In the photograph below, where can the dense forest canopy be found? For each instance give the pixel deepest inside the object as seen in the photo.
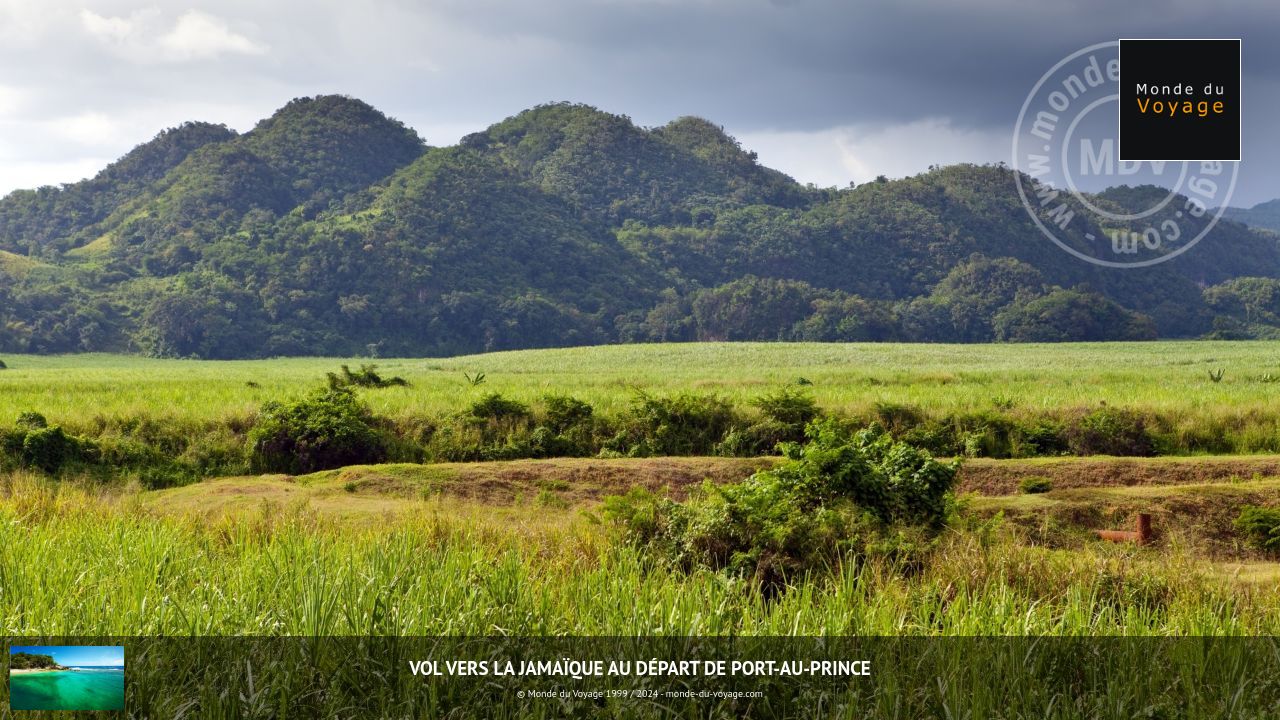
(32, 661)
(1263, 215)
(332, 229)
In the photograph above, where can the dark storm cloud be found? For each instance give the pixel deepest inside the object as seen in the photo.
(811, 65)
(90, 79)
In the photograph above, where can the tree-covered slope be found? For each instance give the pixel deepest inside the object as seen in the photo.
(331, 229)
(31, 220)
(308, 156)
(455, 252)
(609, 168)
(1263, 215)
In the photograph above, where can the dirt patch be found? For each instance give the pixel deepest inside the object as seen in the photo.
(1198, 519)
(572, 481)
(590, 480)
(269, 486)
(1001, 477)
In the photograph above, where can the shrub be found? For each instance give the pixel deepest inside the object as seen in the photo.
(760, 438)
(984, 434)
(32, 420)
(549, 499)
(3, 366)
(49, 448)
(1035, 484)
(1260, 527)
(495, 407)
(684, 424)
(366, 377)
(492, 428)
(565, 413)
(1003, 402)
(840, 492)
(166, 475)
(936, 436)
(328, 429)
(898, 417)
(785, 415)
(11, 446)
(1043, 436)
(543, 442)
(34, 443)
(788, 406)
(1109, 431)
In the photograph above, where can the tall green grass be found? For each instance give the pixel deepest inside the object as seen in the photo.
(1165, 376)
(199, 410)
(78, 563)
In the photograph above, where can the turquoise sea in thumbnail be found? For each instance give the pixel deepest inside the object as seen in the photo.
(85, 688)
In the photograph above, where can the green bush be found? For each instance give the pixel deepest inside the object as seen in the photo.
(327, 429)
(366, 377)
(1043, 436)
(985, 434)
(50, 448)
(11, 446)
(1260, 527)
(840, 492)
(549, 499)
(1035, 484)
(541, 442)
(34, 443)
(684, 424)
(166, 475)
(1109, 431)
(761, 438)
(495, 428)
(785, 415)
(898, 417)
(495, 407)
(936, 436)
(789, 407)
(565, 413)
(32, 420)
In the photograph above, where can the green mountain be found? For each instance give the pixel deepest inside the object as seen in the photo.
(31, 220)
(331, 229)
(1263, 215)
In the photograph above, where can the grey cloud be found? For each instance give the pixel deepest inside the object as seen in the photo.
(755, 66)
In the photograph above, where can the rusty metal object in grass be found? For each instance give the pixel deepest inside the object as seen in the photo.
(1141, 535)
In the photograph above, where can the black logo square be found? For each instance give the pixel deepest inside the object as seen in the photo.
(1179, 100)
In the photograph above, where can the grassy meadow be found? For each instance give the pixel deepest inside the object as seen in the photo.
(1169, 377)
(1029, 629)
(82, 562)
(519, 547)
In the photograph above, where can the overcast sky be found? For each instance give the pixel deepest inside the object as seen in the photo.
(828, 91)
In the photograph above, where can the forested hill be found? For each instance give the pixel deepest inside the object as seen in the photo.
(331, 229)
(1263, 215)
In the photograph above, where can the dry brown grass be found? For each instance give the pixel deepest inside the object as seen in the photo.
(1193, 519)
(1001, 477)
(370, 491)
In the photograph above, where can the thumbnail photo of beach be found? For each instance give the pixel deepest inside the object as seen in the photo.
(66, 677)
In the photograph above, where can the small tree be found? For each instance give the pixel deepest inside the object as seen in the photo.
(367, 377)
(837, 493)
(1261, 527)
(328, 429)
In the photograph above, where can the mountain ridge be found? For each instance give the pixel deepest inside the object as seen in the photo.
(330, 228)
(1264, 215)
